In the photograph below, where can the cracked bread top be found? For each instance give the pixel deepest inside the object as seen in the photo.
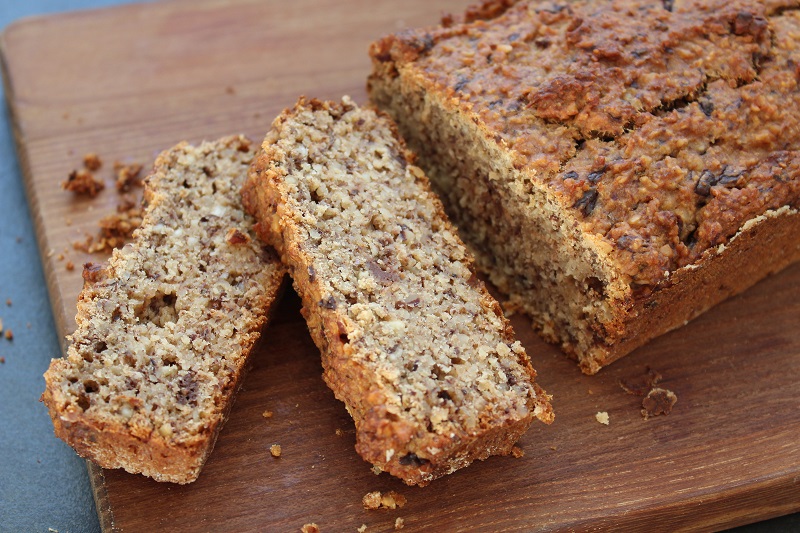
(663, 125)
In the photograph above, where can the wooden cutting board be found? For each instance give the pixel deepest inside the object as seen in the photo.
(129, 81)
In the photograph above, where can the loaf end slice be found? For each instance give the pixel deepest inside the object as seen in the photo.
(411, 341)
(164, 330)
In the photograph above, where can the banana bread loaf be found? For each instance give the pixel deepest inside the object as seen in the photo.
(411, 342)
(617, 166)
(165, 330)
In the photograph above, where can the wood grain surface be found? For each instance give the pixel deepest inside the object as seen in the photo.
(127, 82)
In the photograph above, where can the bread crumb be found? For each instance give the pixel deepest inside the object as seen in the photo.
(554, 448)
(267, 414)
(8, 302)
(60, 257)
(339, 432)
(70, 266)
(127, 176)
(92, 161)
(362, 529)
(393, 500)
(399, 523)
(602, 417)
(389, 500)
(275, 450)
(115, 229)
(658, 402)
(310, 528)
(517, 452)
(83, 182)
(371, 500)
(9, 335)
(376, 470)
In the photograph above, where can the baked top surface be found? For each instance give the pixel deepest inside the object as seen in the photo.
(663, 126)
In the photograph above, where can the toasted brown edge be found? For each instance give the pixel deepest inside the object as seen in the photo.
(722, 272)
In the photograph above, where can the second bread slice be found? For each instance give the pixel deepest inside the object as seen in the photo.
(411, 341)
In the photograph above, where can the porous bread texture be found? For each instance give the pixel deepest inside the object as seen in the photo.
(617, 167)
(165, 329)
(411, 341)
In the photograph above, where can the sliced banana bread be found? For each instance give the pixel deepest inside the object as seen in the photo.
(411, 341)
(619, 166)
(165, 330)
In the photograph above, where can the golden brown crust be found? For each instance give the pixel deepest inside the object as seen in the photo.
(387, 436)
(165, 329)
(595, 155)
(114, 446)
(722, 272)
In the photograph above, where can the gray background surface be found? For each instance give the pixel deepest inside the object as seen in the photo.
(44, 486)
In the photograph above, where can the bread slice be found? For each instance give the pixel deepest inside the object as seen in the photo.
(618, 167)
(411, 341)
(165, 330)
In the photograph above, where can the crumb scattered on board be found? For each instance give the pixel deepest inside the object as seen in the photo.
(9, 334)
(83, 182)
(310, 528)
(275, 450)
(117, 228)
(267, 414)
(127, 176)
(92, 161)
(362, 529)
(602, 417)
(388, 500)
(517, 452)
(657, 400)
(399, 523)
